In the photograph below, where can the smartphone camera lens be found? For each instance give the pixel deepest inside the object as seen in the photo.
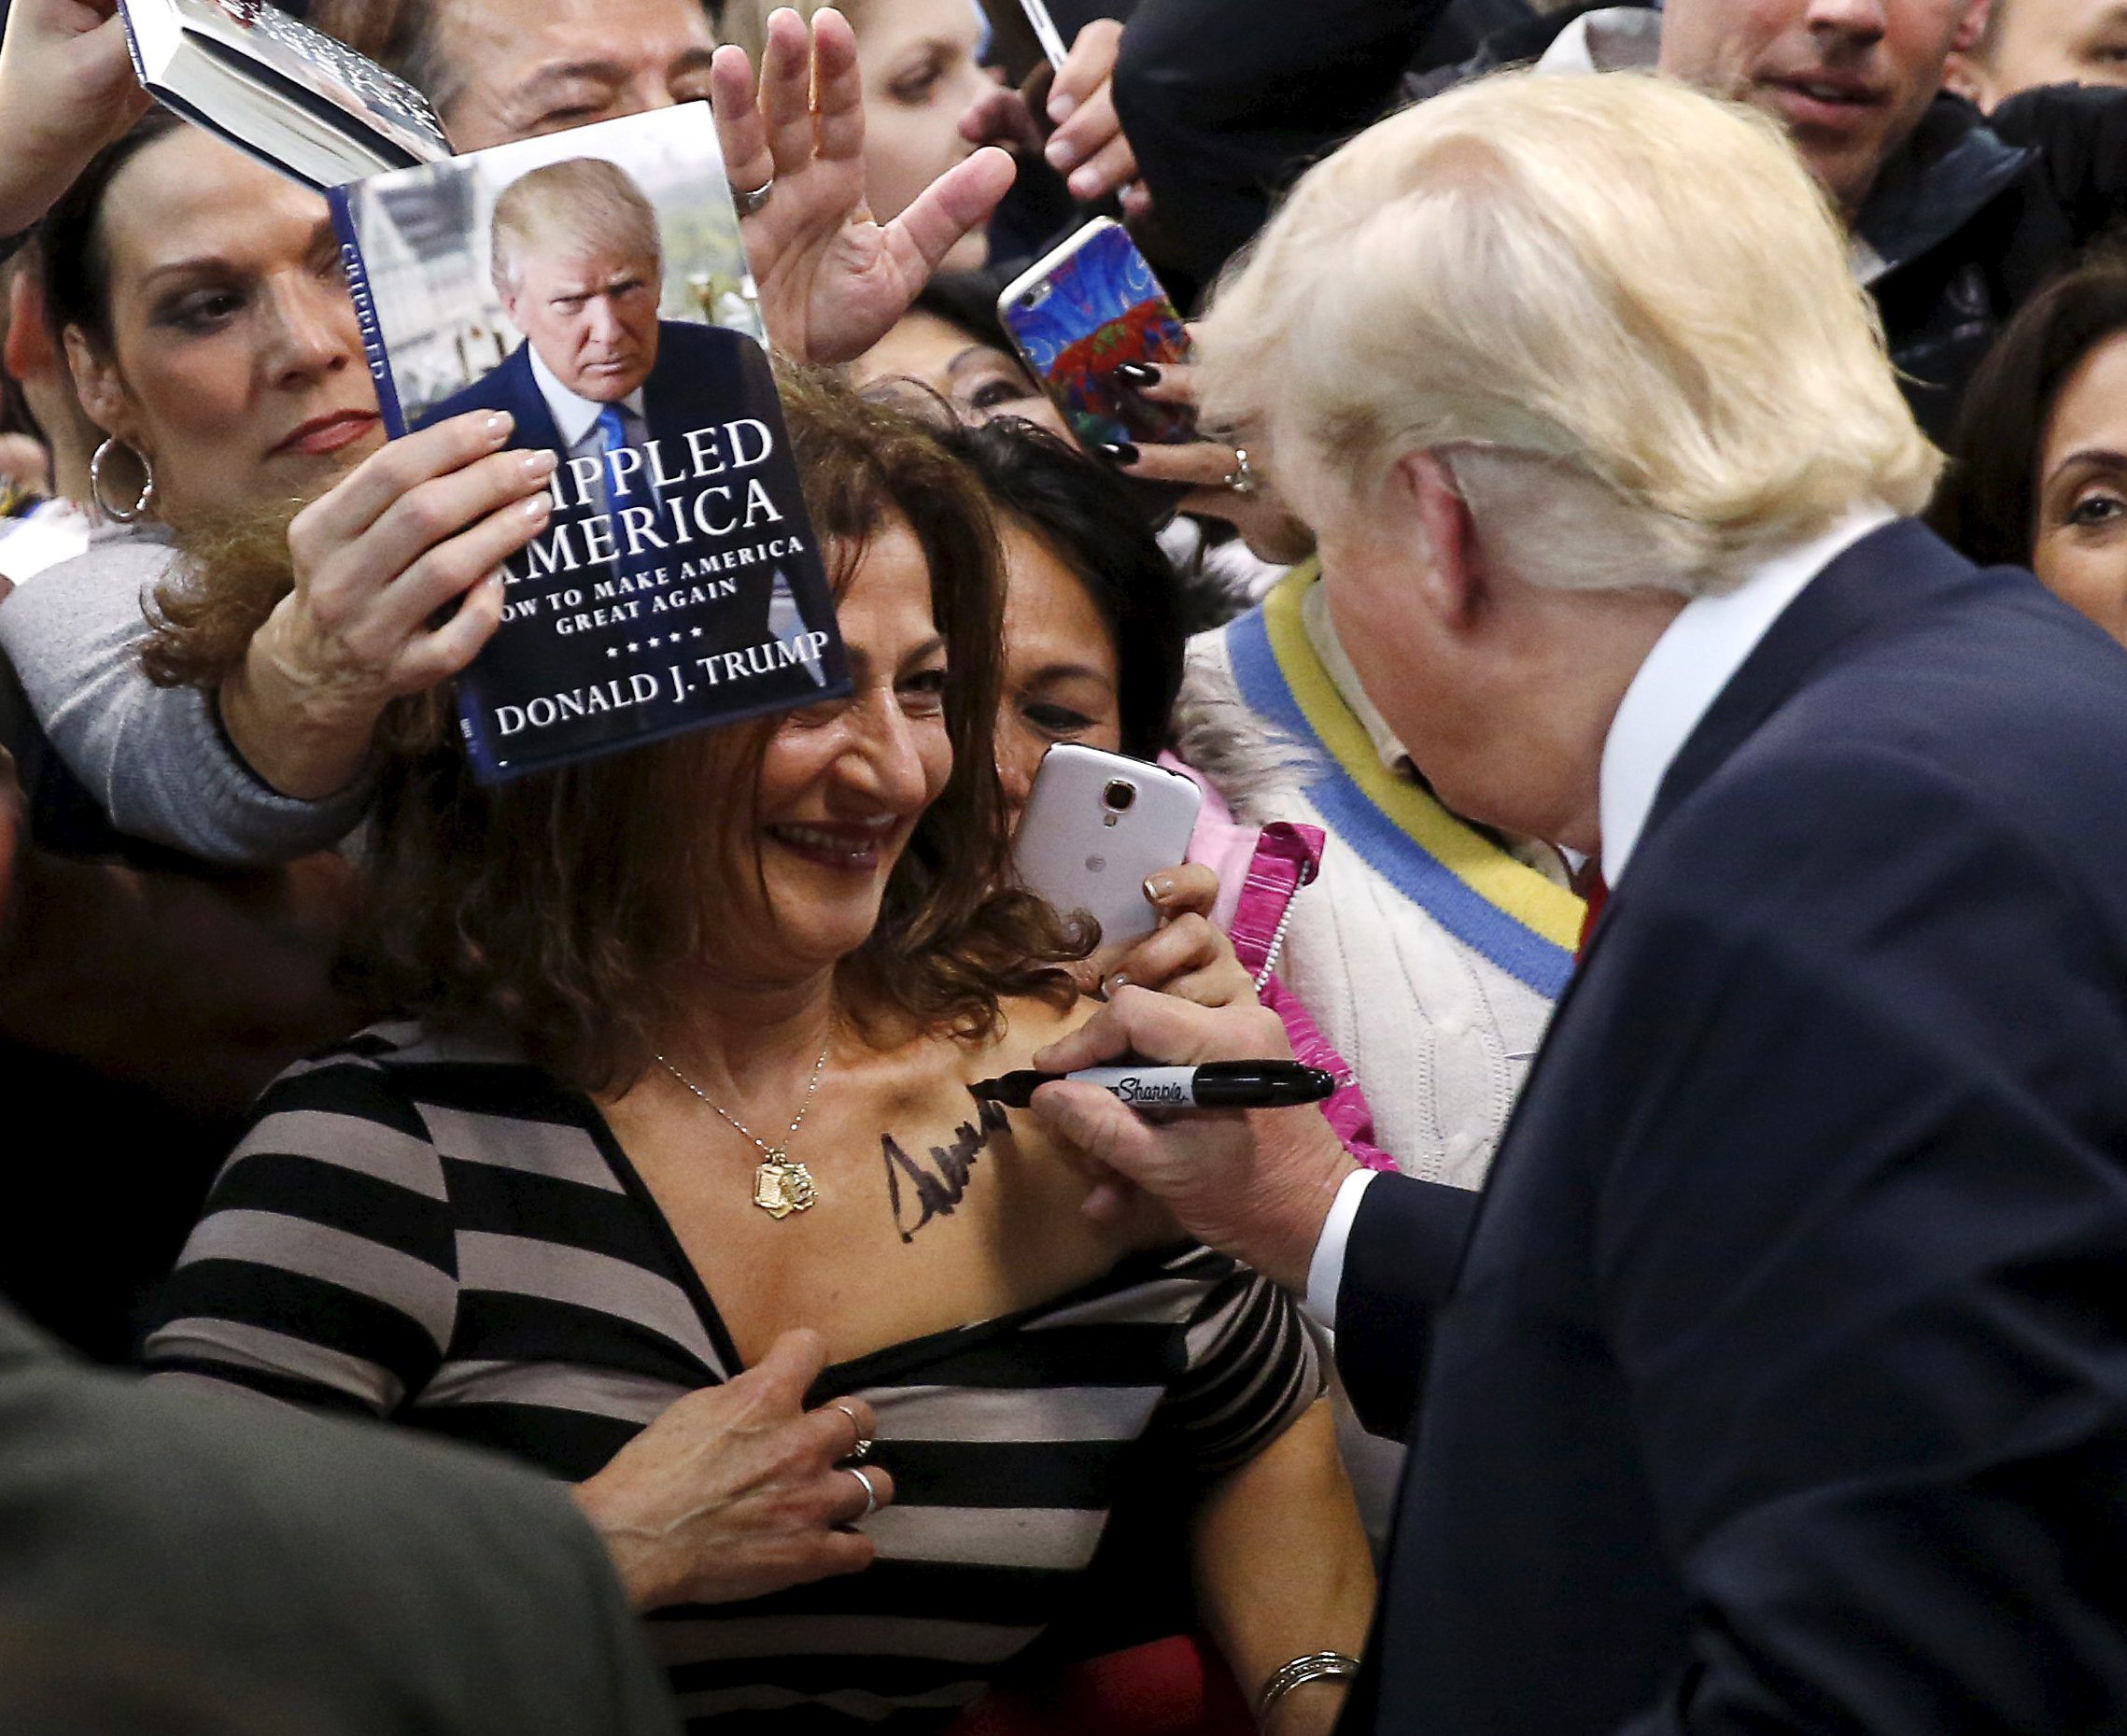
(1119, 796)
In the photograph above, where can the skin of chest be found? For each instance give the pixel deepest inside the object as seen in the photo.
(929, 1214)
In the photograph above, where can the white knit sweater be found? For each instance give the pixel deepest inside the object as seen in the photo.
(1439, 1034)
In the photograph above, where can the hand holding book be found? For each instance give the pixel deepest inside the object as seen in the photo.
(832, 282)
(67, 89)
(398, 587)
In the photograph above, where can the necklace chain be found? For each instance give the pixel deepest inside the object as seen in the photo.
(775, 1154)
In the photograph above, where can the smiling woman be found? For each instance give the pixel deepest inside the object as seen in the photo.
(683, 1057)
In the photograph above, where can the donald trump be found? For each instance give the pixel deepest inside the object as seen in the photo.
(1777, 1382)
(662, 426)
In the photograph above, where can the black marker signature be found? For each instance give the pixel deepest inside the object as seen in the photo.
(937, 1193)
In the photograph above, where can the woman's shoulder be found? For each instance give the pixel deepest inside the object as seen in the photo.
(403, 1073)
(90, 597)
(1030, 1025)
(1049, 1185)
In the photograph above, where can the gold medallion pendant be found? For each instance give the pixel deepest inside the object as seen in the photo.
(782, 1187)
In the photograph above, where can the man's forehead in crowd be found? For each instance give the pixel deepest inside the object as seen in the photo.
(518, 67)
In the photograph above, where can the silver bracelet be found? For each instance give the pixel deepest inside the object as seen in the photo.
(1312, 1667)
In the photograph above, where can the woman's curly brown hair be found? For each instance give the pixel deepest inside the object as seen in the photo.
(569, 913)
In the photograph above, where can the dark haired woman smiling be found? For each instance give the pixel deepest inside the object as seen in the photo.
(692, 1031)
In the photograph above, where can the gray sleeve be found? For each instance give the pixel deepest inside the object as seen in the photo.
(155, 758)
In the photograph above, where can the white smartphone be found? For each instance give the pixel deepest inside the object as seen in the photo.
(1096, 824)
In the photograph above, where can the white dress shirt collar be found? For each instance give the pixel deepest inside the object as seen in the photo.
(1690, 664)
(573, 417)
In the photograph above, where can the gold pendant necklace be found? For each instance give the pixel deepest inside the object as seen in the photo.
(781, 1185)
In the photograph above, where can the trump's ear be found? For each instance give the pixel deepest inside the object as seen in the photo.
(1451, 565)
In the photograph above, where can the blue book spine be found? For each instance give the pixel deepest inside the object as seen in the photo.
(356, 273)
(470, 715)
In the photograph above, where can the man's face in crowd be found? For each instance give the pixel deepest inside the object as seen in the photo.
(529, 67)
(592, 319)
(2036, 42)
(1849, 79)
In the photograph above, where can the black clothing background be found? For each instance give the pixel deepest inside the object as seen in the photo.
(1971, 213)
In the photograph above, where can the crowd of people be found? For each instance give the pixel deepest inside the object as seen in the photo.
(1643, 606)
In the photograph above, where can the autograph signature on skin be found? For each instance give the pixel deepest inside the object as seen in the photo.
(937, 1187)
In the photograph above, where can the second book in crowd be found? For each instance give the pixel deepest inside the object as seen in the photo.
(593, 285)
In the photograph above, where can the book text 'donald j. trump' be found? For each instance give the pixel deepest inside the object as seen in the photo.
(593, 285)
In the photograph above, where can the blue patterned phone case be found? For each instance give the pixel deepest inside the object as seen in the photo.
(1090, 306)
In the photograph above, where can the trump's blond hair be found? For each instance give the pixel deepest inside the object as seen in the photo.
(579, 205)
(1619, 311)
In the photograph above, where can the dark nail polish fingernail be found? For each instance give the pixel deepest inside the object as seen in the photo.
(1121, 451)
(1140, 374)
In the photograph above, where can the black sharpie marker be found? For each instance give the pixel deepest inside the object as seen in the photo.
(1215, 1085)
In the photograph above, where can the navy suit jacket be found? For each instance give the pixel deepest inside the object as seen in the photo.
(1782, 1384)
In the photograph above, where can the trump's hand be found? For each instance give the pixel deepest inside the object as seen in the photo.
(832, 281)
(739, 1490)
(1256, 1184)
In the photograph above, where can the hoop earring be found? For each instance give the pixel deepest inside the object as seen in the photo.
(124, 516)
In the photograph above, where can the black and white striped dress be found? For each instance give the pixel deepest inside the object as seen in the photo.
(423, 1231)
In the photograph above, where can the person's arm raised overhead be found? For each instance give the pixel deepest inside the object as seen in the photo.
(66, 90)
(832, 281)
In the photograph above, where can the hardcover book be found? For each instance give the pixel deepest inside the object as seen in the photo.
(593, 285)
(268, 84)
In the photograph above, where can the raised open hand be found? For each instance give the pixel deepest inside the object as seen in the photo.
(832, 281)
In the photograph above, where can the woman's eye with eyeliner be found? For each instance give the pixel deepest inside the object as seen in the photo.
(200, 310)
(1057, 720)
(924, 691)
(991, 393)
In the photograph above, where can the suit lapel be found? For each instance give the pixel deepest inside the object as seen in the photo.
(527, 403)
(1901, 567)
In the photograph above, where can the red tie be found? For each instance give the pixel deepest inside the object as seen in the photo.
(1598, 895)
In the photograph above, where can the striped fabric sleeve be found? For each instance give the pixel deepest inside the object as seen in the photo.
(1252, 1364)
(324, 1268)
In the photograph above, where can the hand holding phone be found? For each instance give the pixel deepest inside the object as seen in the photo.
(1096, 827)
(1083, 312)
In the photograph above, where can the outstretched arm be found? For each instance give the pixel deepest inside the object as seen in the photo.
(832, 281)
